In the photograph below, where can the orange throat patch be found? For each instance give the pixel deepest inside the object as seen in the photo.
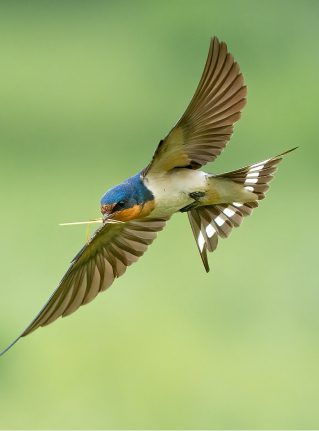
(137, 211)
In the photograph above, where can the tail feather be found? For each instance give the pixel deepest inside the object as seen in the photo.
(256, 177)
(213, 221)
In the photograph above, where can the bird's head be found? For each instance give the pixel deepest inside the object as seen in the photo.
(119, 203)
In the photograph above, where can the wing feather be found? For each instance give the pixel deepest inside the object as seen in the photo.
(112, 248)
(207, 124)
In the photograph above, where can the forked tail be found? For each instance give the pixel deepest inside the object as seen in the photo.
(213, 221)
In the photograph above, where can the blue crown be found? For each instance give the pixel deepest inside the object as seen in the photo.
(132, 191)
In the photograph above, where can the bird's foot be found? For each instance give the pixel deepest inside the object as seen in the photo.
(196, 195)
(188, 207)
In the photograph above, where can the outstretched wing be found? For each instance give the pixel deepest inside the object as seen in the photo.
(112, 248)
(206, 126)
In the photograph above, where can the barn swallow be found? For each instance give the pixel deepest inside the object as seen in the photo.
(134, 211)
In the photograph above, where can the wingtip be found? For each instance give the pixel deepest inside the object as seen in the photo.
(214, 42)
(10, 345)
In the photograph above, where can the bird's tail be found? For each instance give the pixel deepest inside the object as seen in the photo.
(238, 194)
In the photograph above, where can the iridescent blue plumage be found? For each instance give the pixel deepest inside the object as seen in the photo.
(131, 192)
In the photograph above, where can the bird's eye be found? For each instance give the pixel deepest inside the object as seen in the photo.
(119, 205)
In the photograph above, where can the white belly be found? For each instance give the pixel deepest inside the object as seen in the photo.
(171, 189)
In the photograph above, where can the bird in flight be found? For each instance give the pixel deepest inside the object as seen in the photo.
(134, 211)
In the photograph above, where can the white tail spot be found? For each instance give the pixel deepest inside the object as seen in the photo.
(252, 174)
(260, 163)
(210, 231)
(201, 241)
(251, 180)
(256, 168)
(249, 188)
(219, 220)
(228, 212)
(237, 204)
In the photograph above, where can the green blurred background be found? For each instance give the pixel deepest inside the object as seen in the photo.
(87, 90)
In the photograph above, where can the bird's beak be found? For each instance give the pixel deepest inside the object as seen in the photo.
(106, 211)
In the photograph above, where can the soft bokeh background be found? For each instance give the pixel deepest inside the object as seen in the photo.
(87, 90)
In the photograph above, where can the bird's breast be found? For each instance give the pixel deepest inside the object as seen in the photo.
(171, 189)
